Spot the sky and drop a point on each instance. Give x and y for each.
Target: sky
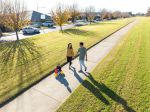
(135, 6)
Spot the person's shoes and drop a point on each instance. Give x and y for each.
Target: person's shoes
(80, 71)
(85, 68)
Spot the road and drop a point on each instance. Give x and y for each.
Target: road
(12, 37)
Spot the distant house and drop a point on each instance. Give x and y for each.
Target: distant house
(37, 17)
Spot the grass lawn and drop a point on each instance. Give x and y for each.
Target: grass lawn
(24, 62)
(121, 82)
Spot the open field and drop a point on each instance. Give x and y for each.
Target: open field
(26, 61)
(121, 82)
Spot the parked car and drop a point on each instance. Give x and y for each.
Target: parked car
(81, 23)
(95, 21)
(30, 30)
(48, 24)
(36, 25)
(98, 19)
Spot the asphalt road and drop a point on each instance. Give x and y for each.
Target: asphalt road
(12, 36)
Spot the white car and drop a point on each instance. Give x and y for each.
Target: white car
(81, 23)
(48, 24)
(30, 30)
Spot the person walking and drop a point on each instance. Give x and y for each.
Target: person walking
(82, 51)
(70, 54)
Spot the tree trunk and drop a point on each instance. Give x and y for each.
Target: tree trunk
(61, 29)
(17, 34)
(1, 34)
(73, 20)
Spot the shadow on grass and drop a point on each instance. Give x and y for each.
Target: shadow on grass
(18, 53)
(106, 23)
(16, 60)
(31, 34)
(110, 93)
(98, 88)
(76, 31)
(90, 87)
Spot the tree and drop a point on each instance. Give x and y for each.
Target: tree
(60, 15)
(15, 15)
(103, 14)
(125, 14)
(90, 13)
(116, 14)
(1, 16)
(74, 12)
(148, 12)
(109, 15)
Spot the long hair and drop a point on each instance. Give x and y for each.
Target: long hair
(69, 46)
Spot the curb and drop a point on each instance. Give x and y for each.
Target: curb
(52, 71)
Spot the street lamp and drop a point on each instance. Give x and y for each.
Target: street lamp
(37, 6)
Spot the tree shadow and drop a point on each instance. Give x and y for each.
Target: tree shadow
(88, 85)
(22, 52)
(110, 93)
(106, 23)
(62, 80)
(17, 59)
(31, 34)
(76, 31)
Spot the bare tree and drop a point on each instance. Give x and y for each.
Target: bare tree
(60, 15)
(1, 16)
(103, 14)
(148, 12)
(74, 12)
(117, 14)
(15, 15)
(90, 13)
(109, 15)
(125, 14)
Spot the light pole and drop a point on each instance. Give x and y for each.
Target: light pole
(37, 5)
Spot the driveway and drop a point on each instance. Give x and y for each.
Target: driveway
(12, 36)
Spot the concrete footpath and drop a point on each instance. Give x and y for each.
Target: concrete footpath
(50, 93)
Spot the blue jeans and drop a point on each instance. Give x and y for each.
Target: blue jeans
(82, 64)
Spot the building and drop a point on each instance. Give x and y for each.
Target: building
(37, 17)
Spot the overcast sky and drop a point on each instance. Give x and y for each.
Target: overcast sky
(134, 6)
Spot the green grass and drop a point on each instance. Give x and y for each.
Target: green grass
(24, 62)
(121, 82)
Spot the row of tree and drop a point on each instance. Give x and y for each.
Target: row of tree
(148, 12)
(62, 13)
(104, 14)
(13, 14)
